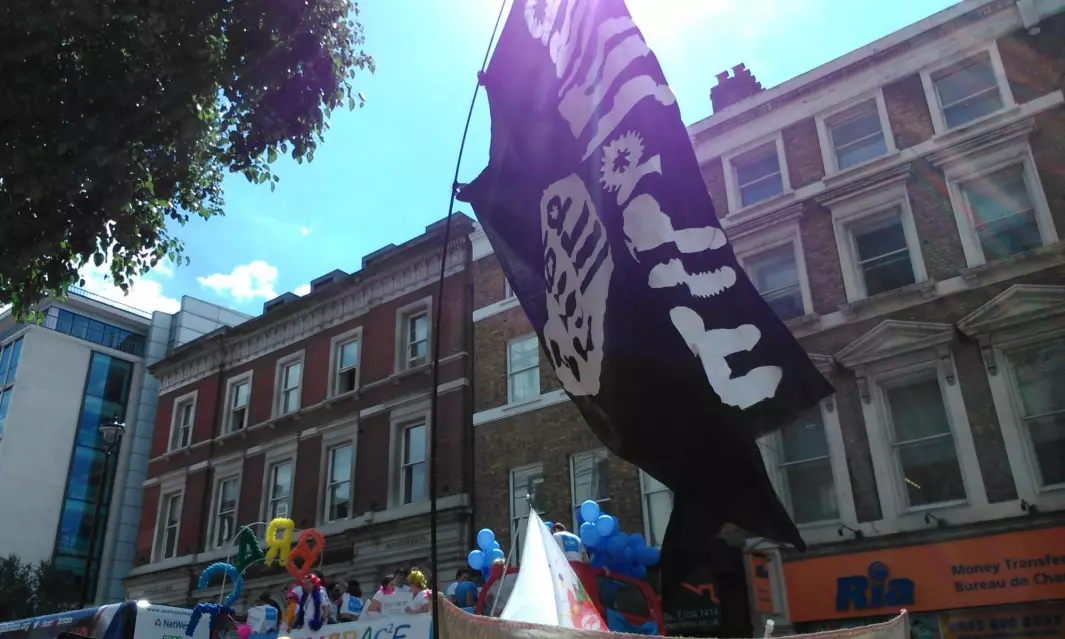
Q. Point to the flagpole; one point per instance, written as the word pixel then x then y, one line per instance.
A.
pixel 437 315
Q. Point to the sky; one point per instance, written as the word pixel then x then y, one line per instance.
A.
pixel 385 171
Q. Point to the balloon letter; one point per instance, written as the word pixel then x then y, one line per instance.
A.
pixel 279 547
pixel 305 555
pixel 231 573
pixel 248 549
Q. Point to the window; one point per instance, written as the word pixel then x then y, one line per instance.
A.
pixel 526 490
pixel 9 357
pixel 881 254
pixel 347 367
pixel 923 443
pixel 523 369
pixel 805 469
pixel 856 135
pixel 967 91
pixel 289 387
pixel 1002 214
pixel 239 395
pixel 225 515
pixel 776 276
pixel 95 331
pixel 338 485
pixel 508 292
pixel 184 416
pixel 166 537
pixel 588 479
pixel 413 472
pixel 657 507
pixel 758 175
pixel 1039 377
pixel 417 339
pixel 280 490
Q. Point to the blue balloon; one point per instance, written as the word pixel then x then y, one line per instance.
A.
pixel 636 541
pixel 604 525
pixel 495 544
pixel 599 559
pixel 495 555
pixel 476 559
pixel 639 572
pixel 548 524
pixel 616 544
pixel 649 555
pixel 485 538
pixel 589 535
pixel 589 511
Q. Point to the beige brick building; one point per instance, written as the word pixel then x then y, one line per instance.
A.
pixel 902 208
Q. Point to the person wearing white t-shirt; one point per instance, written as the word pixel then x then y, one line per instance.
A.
pixel 351 603
pixel 571 545
pixel 391 599
pixel 419 603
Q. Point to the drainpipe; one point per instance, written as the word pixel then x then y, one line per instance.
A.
pixel 469 439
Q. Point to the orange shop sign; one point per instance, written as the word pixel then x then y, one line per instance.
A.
pixel 982 571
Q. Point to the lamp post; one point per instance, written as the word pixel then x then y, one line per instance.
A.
pixel 111 432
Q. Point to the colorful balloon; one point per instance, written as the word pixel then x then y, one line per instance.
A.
pixel 279 547
pixel 485 537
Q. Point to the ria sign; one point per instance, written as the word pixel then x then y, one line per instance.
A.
pixel 873 590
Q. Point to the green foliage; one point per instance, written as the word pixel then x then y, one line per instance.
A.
pixel 119 119
pixel 30 591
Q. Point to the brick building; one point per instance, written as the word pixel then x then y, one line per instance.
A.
pixel 318 410
pixel 902 209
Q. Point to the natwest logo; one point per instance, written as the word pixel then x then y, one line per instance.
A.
pixel 873 590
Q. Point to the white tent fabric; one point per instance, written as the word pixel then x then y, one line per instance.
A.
pixel 547 590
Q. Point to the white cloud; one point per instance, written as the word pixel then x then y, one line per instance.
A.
pixel 164 269
pixel 304 231
pixel 145 294
pixel 302 289
pixel 246 282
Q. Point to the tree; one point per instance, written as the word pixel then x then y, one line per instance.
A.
pixel 31 591
pixel 119 119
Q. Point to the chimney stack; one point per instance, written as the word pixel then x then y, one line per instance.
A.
pixel 730 90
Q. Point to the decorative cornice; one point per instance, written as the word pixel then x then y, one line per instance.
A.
pixel 826 364
pixel 893 338
pixel 856 187
pixel 954 151
pixel 1019 304
pixel 773 219
pixel 233 348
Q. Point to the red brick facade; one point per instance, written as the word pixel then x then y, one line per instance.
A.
pixel 390 394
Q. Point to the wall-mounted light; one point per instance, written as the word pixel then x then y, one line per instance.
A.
pixel 940 522
pixel 854 531
pixel 1031 509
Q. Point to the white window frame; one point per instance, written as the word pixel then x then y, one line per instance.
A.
pixel 1019 317
pixel 268 486
pixel 648 533
pixel 231 385
pixel 508 291
pixel 188 398
pixel 221 477
pixel 342 434
pixel 513 522
pixel 851 211
pixel 574 504
pixel 167 492
pixel 752 246
pixel 824 132
pixel 928 74
pixel 403 317
pixel 890 353
pixel 732 186
pixel 403 464
pixel 510 373
pixel 400 419
pixel 961 166
pixel 279 380
pixel 354 335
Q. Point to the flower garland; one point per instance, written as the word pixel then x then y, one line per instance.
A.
pixel 316 593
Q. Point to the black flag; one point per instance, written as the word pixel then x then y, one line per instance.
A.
pixel 597 211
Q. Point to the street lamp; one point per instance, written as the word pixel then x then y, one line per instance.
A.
pixel 111 432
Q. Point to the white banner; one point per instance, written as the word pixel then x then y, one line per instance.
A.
pixel 547 591
pixel 164 622
pixel 395 627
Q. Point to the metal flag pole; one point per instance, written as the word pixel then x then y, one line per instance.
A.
pixel 437 315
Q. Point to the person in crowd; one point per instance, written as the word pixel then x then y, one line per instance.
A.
pixel 463 593
pixel 571 544
pixel 351 603
pixel 314 608
pixel 392 598
pixel 288 615
pixel 336 595
pixel 265 599
pixel 420 593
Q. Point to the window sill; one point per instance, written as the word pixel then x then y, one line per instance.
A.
pixel 932 508
pixel 889 301
pixel 803 323
pixel 756 210
pixel 495 308
pixel 351 395
pixel 989 121
pixel 858 171
pixel 421 369
pixel 545 400
pixel 512 406
pixel 1014 265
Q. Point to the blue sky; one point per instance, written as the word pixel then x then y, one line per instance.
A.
pixel 385 171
